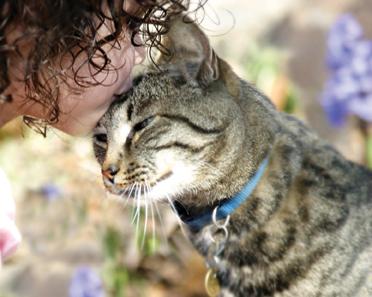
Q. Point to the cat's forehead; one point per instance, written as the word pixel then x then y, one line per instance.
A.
pixel 114 117
pixel 153 93
pixel 126 108
pixel 152 88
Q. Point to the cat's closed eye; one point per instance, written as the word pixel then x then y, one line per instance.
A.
pixel 100 139
pixel 143 124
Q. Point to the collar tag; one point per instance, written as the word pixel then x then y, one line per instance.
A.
pixel 211 284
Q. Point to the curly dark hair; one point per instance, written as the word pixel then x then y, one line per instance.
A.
pixel 67 28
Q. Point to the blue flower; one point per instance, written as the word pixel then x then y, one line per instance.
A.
pixel 341 40
pixel 50 191
pixel 86 283
pixel 349 59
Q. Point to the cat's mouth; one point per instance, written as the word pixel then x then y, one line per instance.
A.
pixel 136 190
pixel 164 176
pixel 133 191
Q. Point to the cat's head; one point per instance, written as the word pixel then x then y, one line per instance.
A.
pixel 179 130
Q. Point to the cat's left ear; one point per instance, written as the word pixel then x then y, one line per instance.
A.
pixel 191 55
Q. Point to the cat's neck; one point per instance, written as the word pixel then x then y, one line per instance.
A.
pixel 222 209
pixel 242 174
pixel 241 160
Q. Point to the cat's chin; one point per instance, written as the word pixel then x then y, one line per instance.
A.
pixel 143 194
pixel 166 188
pixel 116 192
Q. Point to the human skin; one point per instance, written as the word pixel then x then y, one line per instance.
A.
pixel 81 107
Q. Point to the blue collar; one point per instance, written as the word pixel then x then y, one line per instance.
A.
pixel 225 207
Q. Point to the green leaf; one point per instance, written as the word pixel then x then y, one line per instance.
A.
pixel 112 243
pixel 369 151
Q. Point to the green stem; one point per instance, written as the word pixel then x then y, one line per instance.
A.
pixel 369 150
pixel 366 129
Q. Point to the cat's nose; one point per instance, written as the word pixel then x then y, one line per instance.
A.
pixel 110 172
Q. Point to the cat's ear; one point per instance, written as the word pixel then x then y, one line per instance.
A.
pixel 191 56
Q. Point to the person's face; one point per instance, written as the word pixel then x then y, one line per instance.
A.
pixel 80 111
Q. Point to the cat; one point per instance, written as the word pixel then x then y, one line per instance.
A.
pixel 275 210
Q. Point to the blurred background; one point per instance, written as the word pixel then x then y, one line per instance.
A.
pixel 313 58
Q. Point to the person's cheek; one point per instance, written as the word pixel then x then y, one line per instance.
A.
pixel 134 55
pixel 81 112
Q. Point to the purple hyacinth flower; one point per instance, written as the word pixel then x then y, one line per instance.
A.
pixel 362 106
pixel 336 113
pixel 86 283
pixel 341 40
pixel 360 61
pixel 349 58
pixel 334 103
pixel 50 191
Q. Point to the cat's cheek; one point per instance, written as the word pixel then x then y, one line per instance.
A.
pixel 180 176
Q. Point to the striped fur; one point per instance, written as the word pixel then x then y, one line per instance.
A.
pixel 201 132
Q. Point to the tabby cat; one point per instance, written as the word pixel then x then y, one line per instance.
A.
pixel 195 135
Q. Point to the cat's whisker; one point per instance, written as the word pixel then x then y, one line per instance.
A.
pixel 180 223
pixel 138 210
pixel 152 215
pixel 135 204
pixel 132 188
pixel 126 197
pixel 161 224
pixel 145 190
pixel 153 242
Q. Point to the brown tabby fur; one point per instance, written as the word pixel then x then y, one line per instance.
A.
pixel 307 228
